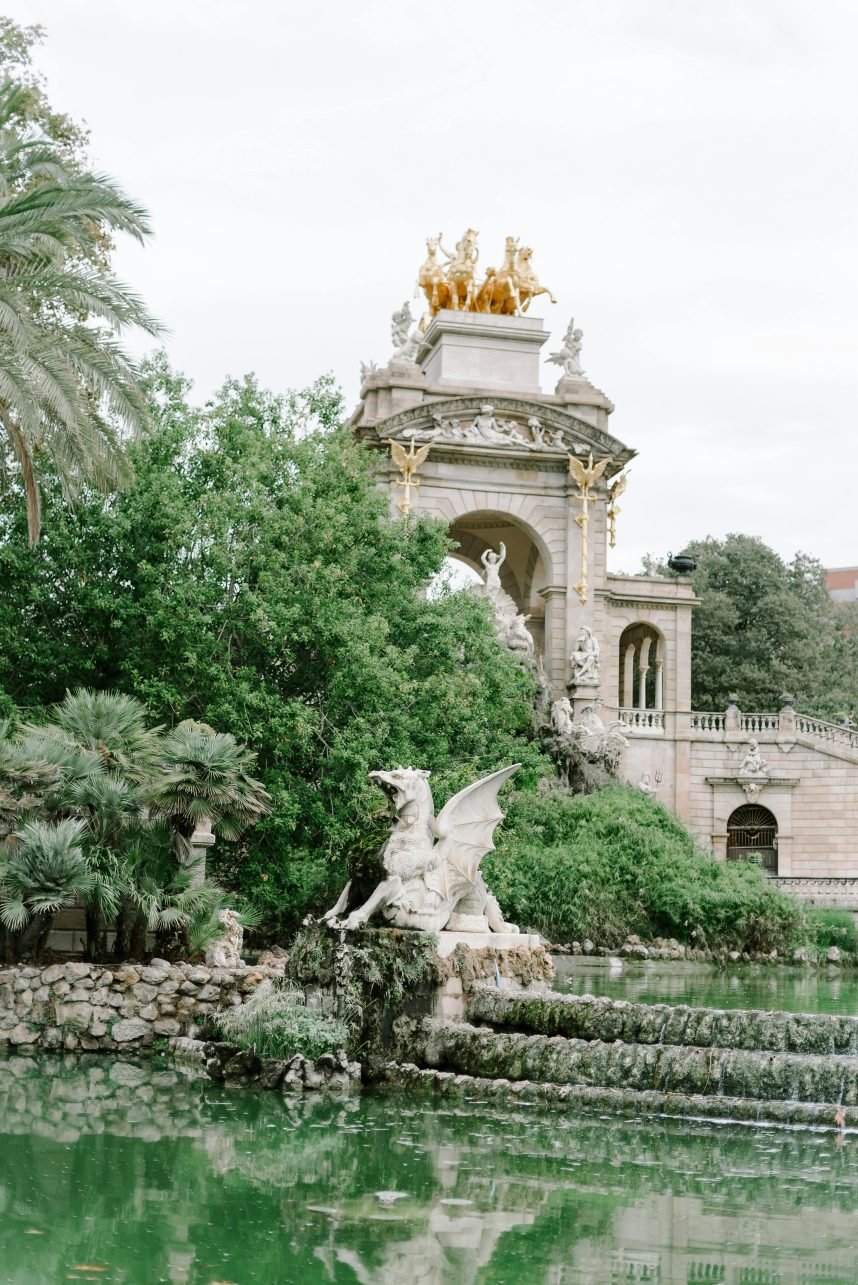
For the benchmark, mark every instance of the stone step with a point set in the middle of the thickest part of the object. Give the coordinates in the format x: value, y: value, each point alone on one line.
x: 667, y: 1068
x: 588, y: 1018
x: 506, y: 1094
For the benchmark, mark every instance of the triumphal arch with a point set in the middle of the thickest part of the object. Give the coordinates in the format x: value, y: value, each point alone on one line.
x: 530, y: 484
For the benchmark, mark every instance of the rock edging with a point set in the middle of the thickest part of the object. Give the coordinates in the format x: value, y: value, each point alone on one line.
x: 97, y: 1008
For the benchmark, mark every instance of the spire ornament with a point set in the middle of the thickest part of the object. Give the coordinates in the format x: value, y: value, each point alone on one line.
x: 614, y: 493
x: 585, y: 475
x: 408, y: 462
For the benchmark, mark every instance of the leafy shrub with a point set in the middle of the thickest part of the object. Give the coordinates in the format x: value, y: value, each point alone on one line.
x: 833, y: 928
x: 614, y: 863
x: 279, y: 1024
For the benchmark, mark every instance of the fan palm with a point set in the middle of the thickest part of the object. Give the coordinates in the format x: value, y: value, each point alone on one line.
x: 41, y: 872
x: 67, y: 388
x: 206, y: 780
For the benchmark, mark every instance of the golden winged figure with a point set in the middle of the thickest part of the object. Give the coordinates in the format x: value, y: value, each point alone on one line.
x: 405, y: 461
x: 586, y: 474
x: 408, y: 462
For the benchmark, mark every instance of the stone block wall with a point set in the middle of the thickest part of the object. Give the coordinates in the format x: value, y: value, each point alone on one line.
x: 816, y: 807
x: 92, y: 1007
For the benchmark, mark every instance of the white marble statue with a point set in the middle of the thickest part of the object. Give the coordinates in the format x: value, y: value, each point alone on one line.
x: 753, y: 764
x: 562, y: 717
x: 432, y: 864
x: 510, y: 623
x: 585, y: 659
x: 598, y: 742
x: 406, y: 341
x: 400, y: 325
x: 225, y: 952
x: 492, y: 563
x: 569, y: 356
x: 646, y: 786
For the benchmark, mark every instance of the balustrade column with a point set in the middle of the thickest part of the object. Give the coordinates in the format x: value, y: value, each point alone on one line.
x: 659, y: 684
x: 628, y: 696
x: 643, y: 670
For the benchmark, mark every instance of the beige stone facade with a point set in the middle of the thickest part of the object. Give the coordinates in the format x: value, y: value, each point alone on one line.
x: 498, y: 471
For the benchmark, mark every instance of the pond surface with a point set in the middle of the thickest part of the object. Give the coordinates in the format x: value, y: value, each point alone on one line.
x: 111, y: 1171
x: 793, y: 990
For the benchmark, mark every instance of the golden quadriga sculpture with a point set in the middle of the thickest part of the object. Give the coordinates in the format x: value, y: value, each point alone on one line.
x: 450, y: 281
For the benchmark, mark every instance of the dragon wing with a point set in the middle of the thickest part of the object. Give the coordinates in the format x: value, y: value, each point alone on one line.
x: 420, y: 456
x: 465, y: 827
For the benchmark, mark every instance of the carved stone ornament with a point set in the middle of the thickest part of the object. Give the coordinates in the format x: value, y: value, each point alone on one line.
x: 432, y: 864
x: 585, y: 660
x: 487, y: 429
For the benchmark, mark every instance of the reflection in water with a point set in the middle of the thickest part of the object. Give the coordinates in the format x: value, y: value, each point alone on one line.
x: 793, y: 990
x: 155, y: 1175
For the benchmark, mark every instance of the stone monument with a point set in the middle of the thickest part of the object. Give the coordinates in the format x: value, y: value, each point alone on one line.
x: 432, y: 864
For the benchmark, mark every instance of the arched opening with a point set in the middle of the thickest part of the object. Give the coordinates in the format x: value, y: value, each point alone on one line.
x: 641, y: 668
x: 752, y: 835
x: 523, y: 571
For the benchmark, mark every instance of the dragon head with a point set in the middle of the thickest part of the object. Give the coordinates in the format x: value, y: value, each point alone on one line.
x: 408, y: 789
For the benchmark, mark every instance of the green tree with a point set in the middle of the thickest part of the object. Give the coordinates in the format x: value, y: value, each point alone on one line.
x: 766, y: 628
x: 68, y: 390
x: 134, y: 796
x: 252, y: 579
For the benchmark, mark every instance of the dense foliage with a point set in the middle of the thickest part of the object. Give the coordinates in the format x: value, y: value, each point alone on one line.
x: 614, y: 863
x: 276, y: 1023
x: 67, y: 387
x: 251, y: 579
x: 97, y: 808
x: 766, y: 628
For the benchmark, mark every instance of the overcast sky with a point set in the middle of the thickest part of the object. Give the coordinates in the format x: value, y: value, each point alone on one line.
x: 685, y: 171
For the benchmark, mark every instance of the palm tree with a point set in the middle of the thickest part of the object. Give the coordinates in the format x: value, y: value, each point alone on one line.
x: 42, y: 870
x: 67, y: 388
x: 206, y: 781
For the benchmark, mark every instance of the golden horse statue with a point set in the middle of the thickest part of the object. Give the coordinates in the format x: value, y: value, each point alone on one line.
x: 528, y: 282
x: 432, y: 278
x: 461, y: 273
x: 506, y: 291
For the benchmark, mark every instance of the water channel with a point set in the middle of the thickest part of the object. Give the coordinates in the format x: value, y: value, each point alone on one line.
x: 760, y: 986
x: 143, y: 1173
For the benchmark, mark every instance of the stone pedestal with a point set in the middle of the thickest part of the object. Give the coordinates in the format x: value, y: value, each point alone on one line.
x: 476, y: 350
x: 448, y: 941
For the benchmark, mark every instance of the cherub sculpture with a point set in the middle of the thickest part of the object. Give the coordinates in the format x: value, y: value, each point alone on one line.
x: 432, y: 864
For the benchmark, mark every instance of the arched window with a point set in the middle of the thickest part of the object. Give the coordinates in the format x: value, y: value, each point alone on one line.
x: 752, y: 835
x: 641, y: 668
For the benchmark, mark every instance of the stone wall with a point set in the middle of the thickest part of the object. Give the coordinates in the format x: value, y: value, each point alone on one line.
x: 92, y: 1007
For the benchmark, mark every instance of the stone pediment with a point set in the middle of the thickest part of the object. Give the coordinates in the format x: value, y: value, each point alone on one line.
x: 498, y: 427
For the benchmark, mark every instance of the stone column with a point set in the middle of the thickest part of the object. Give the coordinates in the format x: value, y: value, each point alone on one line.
x: 659, y: 684
x: 554, y: 643
x: 628, y: 697
x: 201, y: 839
x: 643, y: 670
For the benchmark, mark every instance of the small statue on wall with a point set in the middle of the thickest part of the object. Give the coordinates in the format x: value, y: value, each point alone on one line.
x: 569, y: 356
x: 405, y: 340
x: 585, y: 660
x: 753, y: 764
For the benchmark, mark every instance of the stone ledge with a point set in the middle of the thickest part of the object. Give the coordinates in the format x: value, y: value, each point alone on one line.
x: 448, y: 941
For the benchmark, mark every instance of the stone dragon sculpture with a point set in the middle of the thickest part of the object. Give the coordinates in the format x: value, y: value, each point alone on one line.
x: 433, y: 879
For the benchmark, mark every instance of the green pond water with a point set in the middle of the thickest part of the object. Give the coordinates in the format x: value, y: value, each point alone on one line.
x: 111, y: 1171
x: 793, y: 990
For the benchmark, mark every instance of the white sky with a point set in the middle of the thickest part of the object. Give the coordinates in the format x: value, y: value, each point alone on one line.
x: 685, y: 169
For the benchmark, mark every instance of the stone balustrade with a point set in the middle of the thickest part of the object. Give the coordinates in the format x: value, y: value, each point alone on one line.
x: 643, y: 722
x: 89, y: 1006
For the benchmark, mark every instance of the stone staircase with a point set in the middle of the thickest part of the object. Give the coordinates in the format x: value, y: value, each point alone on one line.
x: 674, y: 1059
